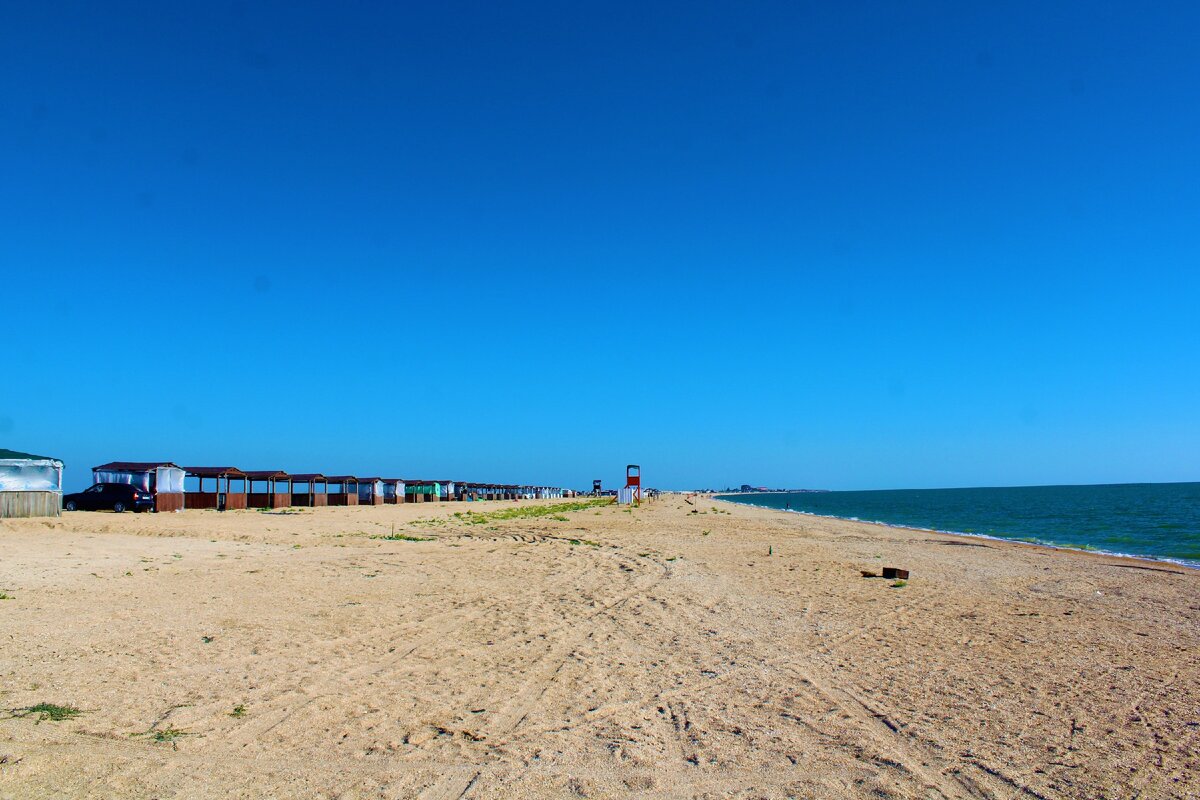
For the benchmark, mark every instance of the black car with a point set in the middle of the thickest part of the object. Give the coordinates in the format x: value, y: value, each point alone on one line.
x: 105, y: 496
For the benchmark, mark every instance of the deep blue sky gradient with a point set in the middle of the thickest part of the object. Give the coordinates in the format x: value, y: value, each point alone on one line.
x: 838, y: 245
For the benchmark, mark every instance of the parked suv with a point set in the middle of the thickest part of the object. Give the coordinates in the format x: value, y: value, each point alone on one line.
x: 103, y: 496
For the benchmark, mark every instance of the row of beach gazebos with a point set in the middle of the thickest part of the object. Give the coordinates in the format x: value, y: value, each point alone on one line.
x: 227, y: 488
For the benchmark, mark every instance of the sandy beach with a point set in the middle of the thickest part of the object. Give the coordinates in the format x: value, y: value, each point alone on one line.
x: 677, y: 650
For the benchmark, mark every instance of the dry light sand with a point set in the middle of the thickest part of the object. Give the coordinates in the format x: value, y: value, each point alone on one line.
x: 673, y: 658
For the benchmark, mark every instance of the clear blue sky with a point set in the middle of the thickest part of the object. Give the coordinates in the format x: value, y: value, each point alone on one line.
x: 802, y: 244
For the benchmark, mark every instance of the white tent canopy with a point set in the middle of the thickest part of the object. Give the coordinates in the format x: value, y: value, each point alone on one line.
x: 165, y: 478
x: 25, y: 472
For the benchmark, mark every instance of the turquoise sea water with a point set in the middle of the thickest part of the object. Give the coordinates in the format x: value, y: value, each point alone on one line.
x: 1155, y: 520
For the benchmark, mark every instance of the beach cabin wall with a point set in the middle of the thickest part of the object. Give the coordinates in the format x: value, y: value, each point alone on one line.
x: 30, y: 486
x: 164, y: 480
x: 310, y: 496
x: 228, y: 486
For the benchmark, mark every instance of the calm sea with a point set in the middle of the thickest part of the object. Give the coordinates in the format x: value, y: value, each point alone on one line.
x: 1156, y: 520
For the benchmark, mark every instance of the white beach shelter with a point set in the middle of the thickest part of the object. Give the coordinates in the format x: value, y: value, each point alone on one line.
x: 153, y: 478
x: 30, y: 486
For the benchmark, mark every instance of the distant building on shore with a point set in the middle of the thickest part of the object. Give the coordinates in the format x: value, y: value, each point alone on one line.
x: 746, y: 488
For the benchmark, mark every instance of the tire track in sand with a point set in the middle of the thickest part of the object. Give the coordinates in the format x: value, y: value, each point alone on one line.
x: 442, y: 626
x: 909, y: 754
x: 458, y: 780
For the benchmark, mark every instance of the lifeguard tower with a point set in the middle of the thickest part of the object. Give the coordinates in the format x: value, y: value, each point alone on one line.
x: 633, y: 482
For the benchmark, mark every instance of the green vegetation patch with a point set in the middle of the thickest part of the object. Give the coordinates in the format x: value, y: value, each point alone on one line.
x: 553, y: 511
x: 168, y: 734
x: 403, y: 537
x: 48, y: 711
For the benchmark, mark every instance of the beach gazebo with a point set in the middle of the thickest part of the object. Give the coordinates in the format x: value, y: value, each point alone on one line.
x: 342, y: 490
x: 271, y: 488
x: 422, y: 491
x: 393, y: 490
x: 30, y: 486
x: 225, y: 496
x: 162, y: 479
x: 309, y: 481
x: 370, y: 491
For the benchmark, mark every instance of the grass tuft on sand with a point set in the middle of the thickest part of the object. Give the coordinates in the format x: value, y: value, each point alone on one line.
x: 48, y: 711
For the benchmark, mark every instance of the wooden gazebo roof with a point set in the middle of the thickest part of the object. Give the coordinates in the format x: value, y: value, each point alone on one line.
x: 213, y: 472
x: 267, y: 475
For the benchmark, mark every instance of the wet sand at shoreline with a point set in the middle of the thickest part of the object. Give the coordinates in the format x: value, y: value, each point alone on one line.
x: 654, y: 652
